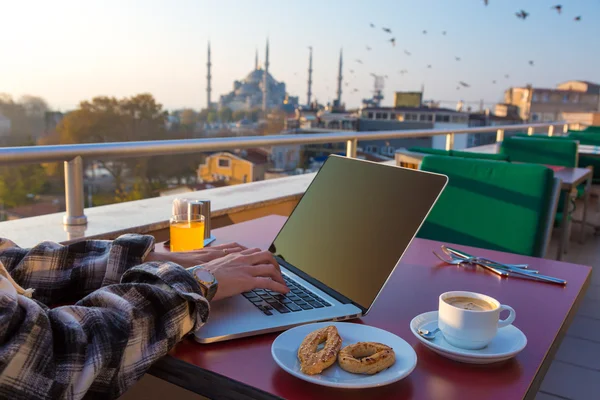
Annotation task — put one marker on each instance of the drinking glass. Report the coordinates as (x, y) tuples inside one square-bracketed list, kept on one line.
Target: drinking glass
[(187, 232)]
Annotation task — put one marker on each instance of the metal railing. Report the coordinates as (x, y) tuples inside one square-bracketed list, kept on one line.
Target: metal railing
[(73, 155)]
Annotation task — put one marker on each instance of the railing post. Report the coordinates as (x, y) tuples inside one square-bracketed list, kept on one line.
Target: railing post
[(566, 128), (351, 146), (449, 141), (74, 192), (499, 135), (530, 130), (551, 130)]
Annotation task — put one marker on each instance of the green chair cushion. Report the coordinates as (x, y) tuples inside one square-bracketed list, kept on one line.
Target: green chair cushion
[(458, 153), (542, 136), (489, 204), (584, 137), (540, 151), (480, 156), (428, 150)]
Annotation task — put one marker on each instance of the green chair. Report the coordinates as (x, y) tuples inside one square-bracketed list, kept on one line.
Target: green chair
[(548, 151), (589, 138), (540, 151), (493, 205), (458, 153)]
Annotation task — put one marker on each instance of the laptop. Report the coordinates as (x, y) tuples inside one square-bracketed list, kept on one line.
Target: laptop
[(336, 250)]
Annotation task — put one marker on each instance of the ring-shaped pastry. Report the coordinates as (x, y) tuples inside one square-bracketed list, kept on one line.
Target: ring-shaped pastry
[(366, 358), (313, 362)]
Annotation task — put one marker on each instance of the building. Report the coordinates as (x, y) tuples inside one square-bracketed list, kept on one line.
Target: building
[(581, 119), (545, 105), (248, 93), (433, 117), (229, 168), (249, 165)]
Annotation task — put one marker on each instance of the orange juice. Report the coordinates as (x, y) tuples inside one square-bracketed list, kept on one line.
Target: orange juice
[(187, 235)]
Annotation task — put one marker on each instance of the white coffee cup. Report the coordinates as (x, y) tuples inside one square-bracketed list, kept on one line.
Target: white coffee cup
[(471, 328)]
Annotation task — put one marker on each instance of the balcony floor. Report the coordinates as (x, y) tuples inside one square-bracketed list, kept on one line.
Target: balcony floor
[(575, 371)]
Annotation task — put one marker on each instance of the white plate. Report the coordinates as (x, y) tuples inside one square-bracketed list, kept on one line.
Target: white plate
[(508, 342), (285, 354)]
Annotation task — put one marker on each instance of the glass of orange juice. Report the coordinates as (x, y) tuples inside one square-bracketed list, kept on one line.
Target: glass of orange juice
[(187, 232)]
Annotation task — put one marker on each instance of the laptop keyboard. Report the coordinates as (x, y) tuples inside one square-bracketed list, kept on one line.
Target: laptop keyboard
[(298, 299)]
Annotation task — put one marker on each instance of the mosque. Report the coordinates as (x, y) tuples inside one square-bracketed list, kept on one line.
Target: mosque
[(260, 90)]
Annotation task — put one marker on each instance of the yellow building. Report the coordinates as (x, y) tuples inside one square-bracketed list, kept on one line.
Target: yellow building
[(229, 168)]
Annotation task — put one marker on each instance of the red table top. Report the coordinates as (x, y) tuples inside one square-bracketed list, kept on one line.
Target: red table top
[(543, 314)]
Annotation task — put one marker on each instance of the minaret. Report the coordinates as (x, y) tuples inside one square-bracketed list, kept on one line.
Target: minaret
[(309, 94), (208, 77), (265, 81), (256, 60), (339, 88)]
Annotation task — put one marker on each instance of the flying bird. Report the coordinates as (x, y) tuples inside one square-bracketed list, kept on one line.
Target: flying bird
[(393, 40), (530, 62), (424, 32), (494, 82), (578, 18), (407, 52), (464, 84), (558, 8), (457, 58), (428, 65), (372, 26), (458, 88), (522, 14), (359, 61), (354, 90), (507, 76), (444, 33), (403, 71), (368, 48), (388, 30), (485, 2)]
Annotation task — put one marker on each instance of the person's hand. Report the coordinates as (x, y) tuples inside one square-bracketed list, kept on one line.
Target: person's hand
[(192, 258), (249, 269)]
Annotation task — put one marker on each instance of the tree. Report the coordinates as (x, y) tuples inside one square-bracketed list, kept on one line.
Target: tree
[(188, 117), (26, 117), (19, 183), (255, 114), (211, 117), (225, 114), (137, 118), (238, 115), (203, 115)]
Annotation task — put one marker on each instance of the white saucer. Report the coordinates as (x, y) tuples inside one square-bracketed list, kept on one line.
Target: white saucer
[(285, 349), (508, 342)]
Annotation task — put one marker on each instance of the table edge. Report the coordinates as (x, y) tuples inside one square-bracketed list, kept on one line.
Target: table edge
[(205, 383)]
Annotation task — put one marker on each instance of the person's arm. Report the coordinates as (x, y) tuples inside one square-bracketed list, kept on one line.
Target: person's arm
[(103, 344), (61, 274)]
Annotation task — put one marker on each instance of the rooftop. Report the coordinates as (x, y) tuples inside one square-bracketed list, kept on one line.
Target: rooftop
[(415, 109)]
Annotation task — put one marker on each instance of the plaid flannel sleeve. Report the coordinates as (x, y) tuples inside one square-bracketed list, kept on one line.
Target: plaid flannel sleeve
[(103, 344), (61, 274)]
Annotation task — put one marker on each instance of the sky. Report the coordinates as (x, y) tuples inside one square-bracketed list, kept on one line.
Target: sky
[(67, 51)]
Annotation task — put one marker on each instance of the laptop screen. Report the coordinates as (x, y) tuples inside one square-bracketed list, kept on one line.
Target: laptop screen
[(354, 222)]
